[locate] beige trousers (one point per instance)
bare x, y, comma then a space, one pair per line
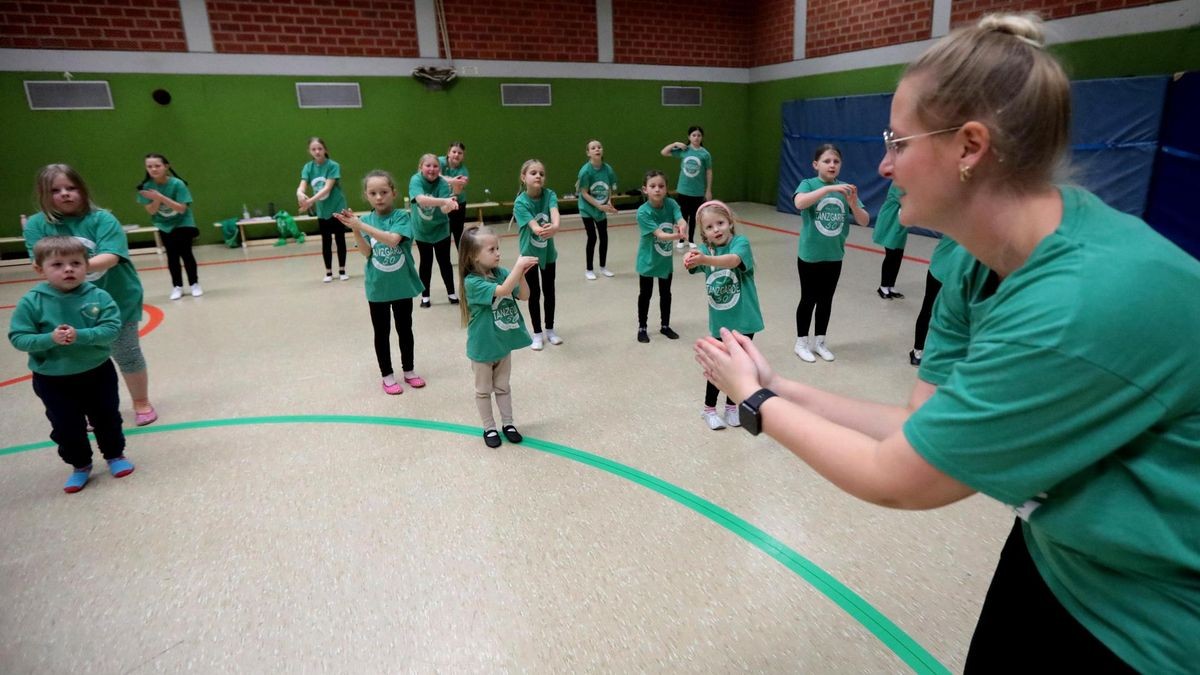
493, 378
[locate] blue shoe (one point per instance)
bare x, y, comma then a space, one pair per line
77, 479
120, 467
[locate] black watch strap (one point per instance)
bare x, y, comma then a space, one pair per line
749, 413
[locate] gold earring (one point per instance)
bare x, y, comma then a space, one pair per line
964, 173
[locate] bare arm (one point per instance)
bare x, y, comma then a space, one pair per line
103, 261
803, 200
666, 151
429, 201
708, 186
515, 275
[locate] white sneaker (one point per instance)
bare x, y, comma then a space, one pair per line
344, 277
605, 272
803, 351
176, 293
328, 278
552, 337
732, 417
590, 275
821, 350
713, 419
197, 291
692, 244
679, 244
537, 342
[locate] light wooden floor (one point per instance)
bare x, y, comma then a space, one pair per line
287, 516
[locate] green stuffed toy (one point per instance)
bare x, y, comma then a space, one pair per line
287, 228
229, 230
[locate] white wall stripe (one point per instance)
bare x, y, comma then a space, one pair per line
799, 29
604, 31
196, 29
1151, 18
427, 29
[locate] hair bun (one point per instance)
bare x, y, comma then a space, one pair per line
1025, 27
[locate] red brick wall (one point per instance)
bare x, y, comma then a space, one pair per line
715, 33
122, 25
966, 11
522, 30
315, 27
774, 24
840, 26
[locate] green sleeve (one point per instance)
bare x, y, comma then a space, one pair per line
22, 329
110, 238
521, 211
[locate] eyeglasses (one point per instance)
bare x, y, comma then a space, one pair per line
893, 144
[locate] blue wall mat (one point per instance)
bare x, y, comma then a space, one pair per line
1172, 203
1114, 138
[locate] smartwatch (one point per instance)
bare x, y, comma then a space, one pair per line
748, 411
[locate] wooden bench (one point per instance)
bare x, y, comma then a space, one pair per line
129, 229
243, 223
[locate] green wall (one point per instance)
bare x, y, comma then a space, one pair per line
1144, 54
242, 139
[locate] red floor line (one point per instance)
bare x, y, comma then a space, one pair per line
155, 318
915, 259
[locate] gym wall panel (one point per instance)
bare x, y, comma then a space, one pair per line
242, 139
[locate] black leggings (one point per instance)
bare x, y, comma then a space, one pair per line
711, 391
332, 231
536, 289
178, 243
74, 400
428, 251
818, 281
688, 206
458, 218
1023, 627
891, 267
593, 226
932, 288
382, 324
645, 290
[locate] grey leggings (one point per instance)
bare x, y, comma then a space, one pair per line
127, 350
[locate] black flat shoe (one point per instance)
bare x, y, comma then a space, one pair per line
492, 438
671, 335
895, 295
883, 294
511, 433
642, 336
425, 304
913, 359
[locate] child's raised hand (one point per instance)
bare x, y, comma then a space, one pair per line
152, 195
348, 218
449, 206
525, 262
691, 259
607, 207
63, 335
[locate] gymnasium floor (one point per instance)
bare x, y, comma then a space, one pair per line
288, 516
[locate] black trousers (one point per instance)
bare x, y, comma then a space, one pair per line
688, 205
382, 325
440, 250
891, 267
711, 391
818, 281
72, 401
645, 290
932, 288
332, 231
458, 218
178, 243
536, 290
1024, 629
594, 228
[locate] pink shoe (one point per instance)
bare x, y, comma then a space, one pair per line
141, 419
392, 389
415, 381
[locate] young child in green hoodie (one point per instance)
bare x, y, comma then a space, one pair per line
67, 326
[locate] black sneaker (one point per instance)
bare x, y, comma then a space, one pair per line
511, 433
895, 295
454, 300
913, 359
425, 304
492, 438
883, 294
642, 337
671, 335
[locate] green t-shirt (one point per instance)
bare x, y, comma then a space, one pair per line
454, 173
317, 176
942, 257
496, 326
889, 233
1078, 404
87, 309
166, 218
655, 257
950, 321
100, 232
826, 224
432, 225
526, 209
732, 296
390, 273
694, 164
600, 183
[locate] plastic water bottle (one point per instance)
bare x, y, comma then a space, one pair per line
245, 212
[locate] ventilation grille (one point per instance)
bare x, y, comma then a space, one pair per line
682, 96
525, 94
59, 95
328, 95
